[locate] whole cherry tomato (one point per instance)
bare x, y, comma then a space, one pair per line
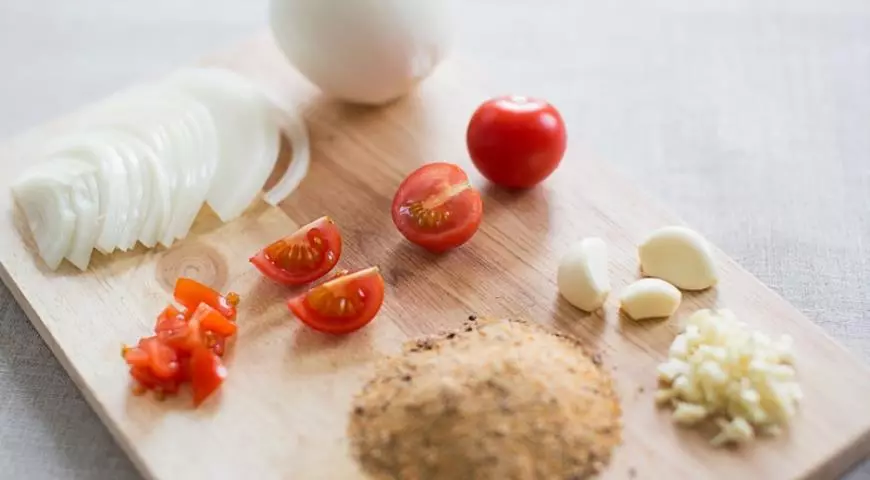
515, 141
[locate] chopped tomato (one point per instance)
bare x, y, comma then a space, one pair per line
206, 327
153, 355
437, 208
343, 304
191, 293
515, 141
212, 321
302, 257
187, 343
206, 374
146, 379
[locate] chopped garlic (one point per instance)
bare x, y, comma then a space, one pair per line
689, 413
719, 368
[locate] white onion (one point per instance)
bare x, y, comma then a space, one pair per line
136, 198
92, 147
249, 139
156, 183
366, 51
141, 165
297, 133
44, 194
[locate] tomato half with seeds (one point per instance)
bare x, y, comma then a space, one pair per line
190, 294
302, 257
437, 208
343, 304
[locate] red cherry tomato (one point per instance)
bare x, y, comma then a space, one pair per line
516, 142
436, 208
207, 373
343, 304
302, 257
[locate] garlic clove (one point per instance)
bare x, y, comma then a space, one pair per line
583, 278
650, 298
680, 256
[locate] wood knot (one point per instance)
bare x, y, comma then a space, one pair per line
192, 260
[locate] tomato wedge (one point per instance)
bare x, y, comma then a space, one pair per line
207, 373
300, 258
191, 293
437, 208
341, 305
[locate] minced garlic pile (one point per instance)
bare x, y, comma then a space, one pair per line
720, 369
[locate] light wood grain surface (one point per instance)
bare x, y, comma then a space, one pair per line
283, 411
748, 118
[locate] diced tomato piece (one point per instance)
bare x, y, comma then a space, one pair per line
191, 293
136, 357
207, 373
163, 360
146, 378
210, 320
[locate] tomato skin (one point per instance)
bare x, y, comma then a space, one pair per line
516, 142
191, 293
323, 230
207, 373
367, 284
459, 210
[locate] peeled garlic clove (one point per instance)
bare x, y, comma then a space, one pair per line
650, 298
582, 277
680, 256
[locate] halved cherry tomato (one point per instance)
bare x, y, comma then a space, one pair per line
191, 293
302, 257
436, 207
516, 142
207, 373
343, 304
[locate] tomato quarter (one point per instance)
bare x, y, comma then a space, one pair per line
302, 257
516, 142
343, 304
436, 207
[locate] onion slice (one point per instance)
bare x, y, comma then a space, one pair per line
294, 127
249, 138
45, 195
114, 197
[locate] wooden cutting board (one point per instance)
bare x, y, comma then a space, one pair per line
283, 410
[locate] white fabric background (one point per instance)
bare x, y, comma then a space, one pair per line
751, 119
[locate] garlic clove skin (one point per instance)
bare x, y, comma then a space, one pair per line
650, 298
680, 256
583, 279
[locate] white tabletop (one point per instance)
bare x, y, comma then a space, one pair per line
751, 119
